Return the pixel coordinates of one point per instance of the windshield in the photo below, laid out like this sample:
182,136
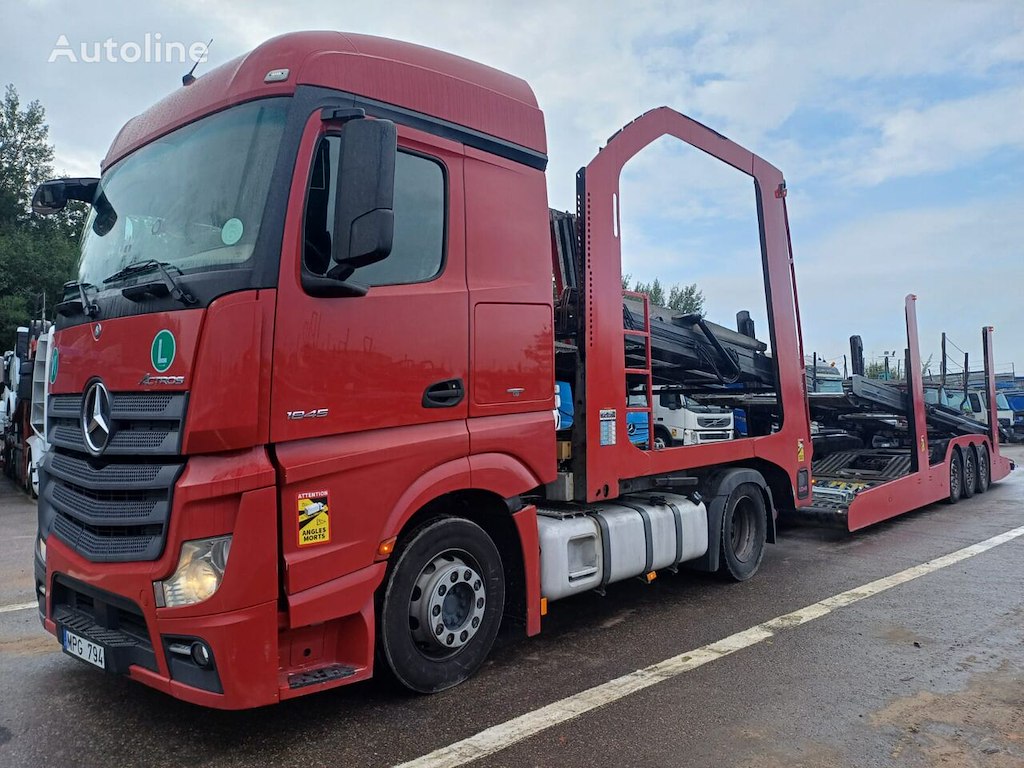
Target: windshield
830,384
1002,403
193,199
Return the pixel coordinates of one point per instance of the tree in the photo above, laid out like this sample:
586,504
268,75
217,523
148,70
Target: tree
26,159
686,299
654,290
37,255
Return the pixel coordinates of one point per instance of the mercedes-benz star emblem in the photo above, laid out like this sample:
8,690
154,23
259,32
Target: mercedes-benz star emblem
96,422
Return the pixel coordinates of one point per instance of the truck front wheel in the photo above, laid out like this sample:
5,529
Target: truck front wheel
442,605
662,439
744,531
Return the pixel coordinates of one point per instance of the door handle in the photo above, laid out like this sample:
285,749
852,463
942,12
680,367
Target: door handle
444,394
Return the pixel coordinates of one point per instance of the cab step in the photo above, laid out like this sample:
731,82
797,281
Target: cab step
320,675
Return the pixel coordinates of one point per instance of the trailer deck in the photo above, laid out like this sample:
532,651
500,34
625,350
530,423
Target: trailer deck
919,453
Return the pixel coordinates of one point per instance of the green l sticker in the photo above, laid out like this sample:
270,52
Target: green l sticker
54,363
162,351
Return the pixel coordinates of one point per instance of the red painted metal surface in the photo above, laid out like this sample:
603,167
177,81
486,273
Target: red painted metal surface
410,76
1000,465
369,359
607,465
930,483
232,368
120,354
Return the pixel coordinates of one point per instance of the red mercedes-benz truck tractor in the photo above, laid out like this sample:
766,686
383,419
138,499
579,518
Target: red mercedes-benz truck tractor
303,417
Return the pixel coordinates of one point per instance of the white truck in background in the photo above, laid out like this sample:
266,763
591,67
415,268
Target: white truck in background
681,420
23,416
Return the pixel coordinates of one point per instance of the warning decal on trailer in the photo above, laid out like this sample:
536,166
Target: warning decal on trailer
314,518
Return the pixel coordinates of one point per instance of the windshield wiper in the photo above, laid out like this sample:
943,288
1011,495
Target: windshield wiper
168,286
82,304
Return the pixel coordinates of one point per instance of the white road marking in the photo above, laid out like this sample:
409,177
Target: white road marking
504,735
18,607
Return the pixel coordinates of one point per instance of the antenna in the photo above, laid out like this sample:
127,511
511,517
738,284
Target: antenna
189,78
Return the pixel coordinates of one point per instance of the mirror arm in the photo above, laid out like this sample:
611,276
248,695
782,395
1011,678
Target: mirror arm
330,288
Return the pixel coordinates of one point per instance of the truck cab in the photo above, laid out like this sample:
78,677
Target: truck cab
680,420
974,403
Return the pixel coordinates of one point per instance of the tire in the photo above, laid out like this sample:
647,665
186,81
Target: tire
662,439
744,531
970,481
984,468
956,477
447,574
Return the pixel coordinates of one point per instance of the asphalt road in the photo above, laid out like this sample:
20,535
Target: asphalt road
928,672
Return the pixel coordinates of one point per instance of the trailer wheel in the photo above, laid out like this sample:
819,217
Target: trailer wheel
981,459
956,477
442,605
970,482
744,530
662,439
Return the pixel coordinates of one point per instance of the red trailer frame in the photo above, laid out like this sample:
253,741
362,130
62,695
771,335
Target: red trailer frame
786,451
927,483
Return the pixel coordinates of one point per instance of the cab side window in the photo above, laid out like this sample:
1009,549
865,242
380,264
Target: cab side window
417,254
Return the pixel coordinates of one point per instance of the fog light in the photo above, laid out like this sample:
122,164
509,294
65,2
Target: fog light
199,573
201,655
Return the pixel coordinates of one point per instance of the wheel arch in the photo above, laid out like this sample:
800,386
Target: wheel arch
449,490
716,488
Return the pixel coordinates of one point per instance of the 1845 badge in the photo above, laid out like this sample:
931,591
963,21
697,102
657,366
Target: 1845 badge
314,518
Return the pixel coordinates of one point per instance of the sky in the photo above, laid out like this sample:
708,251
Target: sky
899,127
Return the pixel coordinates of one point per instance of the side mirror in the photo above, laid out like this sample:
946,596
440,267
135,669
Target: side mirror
364,217
52,196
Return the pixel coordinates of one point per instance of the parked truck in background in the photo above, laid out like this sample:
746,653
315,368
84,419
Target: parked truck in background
680,420
822,377
1015,399
976,404
23,418
304,423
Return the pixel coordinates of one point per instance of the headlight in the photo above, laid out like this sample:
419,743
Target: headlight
199,573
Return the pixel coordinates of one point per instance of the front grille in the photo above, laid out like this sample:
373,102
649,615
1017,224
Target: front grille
149,422
113,621
117,507
713,421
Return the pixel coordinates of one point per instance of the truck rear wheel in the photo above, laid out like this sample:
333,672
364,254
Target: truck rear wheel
744,531
970,472
442,605
981,453
956,476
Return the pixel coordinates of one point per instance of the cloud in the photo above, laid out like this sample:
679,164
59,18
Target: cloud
946,135
962,261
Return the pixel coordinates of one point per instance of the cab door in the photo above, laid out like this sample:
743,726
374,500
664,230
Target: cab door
368,391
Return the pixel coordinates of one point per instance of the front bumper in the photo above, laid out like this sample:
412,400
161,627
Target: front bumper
145,643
